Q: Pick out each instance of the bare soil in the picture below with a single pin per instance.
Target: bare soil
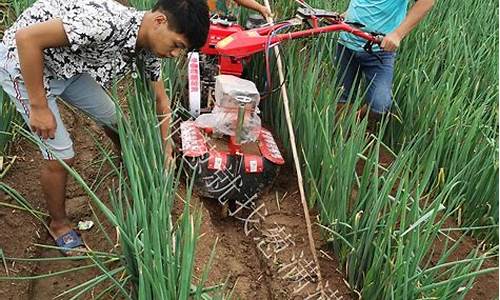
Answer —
(240, 259)
(258, 262)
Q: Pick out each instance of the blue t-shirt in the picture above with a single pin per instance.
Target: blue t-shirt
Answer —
(382, 16)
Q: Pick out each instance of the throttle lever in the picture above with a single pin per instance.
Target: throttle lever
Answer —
(368, 47)
(355, 24)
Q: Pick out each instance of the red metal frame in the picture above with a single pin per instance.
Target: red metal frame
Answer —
(216, 33)
(230, 66)
(232, 44)
(246, 43)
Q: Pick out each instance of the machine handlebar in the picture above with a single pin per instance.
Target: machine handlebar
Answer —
(246, 43)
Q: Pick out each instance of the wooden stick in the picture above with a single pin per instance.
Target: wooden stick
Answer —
(296, 160)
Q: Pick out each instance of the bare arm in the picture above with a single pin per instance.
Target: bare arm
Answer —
(415, 15)
(30, 42)
(254, 5)
(164, 114)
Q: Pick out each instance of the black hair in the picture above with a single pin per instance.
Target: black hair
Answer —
(187, 17)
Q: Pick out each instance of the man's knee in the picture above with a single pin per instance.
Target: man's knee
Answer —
(381, 104)
(379, 96)
(107, 117)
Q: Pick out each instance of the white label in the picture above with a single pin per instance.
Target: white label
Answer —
(194, 83)
(253, 166)
(218, 163)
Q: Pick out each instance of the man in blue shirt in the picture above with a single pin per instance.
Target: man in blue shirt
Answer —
(384, 16)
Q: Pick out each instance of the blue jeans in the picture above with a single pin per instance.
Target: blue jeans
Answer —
(354, 65)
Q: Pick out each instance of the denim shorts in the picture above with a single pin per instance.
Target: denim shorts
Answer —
(80, 91)
(377, 72)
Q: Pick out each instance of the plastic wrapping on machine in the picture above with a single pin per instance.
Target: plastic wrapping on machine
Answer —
(231, 94)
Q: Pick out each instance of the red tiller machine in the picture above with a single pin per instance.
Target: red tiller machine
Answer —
(238, 159)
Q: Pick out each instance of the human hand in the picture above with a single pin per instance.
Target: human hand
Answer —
(42, 122)
(170, 162)
(265, 12)
(169, 155)
(391, 41)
